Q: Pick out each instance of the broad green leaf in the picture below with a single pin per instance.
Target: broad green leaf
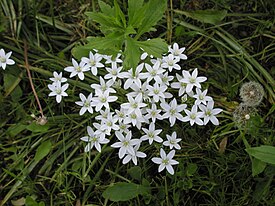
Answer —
(132, 54)
(123, 191)
(11, 85)
(43, 150)
(205, 16)
(130, 30)
(191, 169)
(16, 129)
(264, 153)
(135, 172)
(154, 10)
(135, 12)
(81, 51)
(34, 127)
(155, 47)
(258, 166)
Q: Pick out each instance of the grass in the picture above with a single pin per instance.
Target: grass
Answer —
(238, 49)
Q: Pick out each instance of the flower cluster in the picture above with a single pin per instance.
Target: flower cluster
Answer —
(5, 59)
(138, 99)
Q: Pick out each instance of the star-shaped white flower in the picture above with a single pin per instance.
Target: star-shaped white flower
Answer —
(93, 140)
(177, 52)
(93, 62)
(172, 111)
(157, 91)
(103, 99)
(132, 77)
(133, 105)
(126, 144)
(58, 78)
(201, 97)
(134, 120)
(58, 90)
(209, 113)
(109, 123)
(151, 134)
(77, 69)
(166, 79)
(170, 62)
(193, 116)
(103, 86)
(153, 73)
(165, 161)
(192, 80)
(134, 156)
(85, 103)
(153, 113)
(5, 59)
(179, 85)
(114, 72)
(172, 141)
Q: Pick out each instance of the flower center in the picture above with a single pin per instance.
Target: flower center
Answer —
(170, 62)
(103, 99)
(92, 62)
(208, 113)
(193, 116)
(153, 73)
(78, 69)
(133, 116)
(156, 91)
(165, 161)
(172, 112)
(114, 72)
(2, 59)
(86, 103)
(134, 105)
(109, 124)
(201, 97)
(164, 79)
(153, 113)
(151, 135)
(192, 80)
(58, 91)
(172, 142)
(94, 139)
(125, 143)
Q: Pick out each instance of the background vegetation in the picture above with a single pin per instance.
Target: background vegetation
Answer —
(231, 48)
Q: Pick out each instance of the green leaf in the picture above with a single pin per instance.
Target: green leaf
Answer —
(16, 129)
(106, 9)
(123, 191)
(43, 150)
(120, 18)
(205, 16)
(258, 166)
(155, 47)
(132, 54)
(135, 172)
(34, 127)
(154, 10)
(191, 169)
(264, 153)
(135, 13)
(11, 85)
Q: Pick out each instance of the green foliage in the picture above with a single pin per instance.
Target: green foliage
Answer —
(264, 153)
(123, 191)
(43, 150)
(123, 35)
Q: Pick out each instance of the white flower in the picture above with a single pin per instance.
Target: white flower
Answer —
(103, 114)
(165, 161)
(134, 156)
(132, 77)
(166, 79)
(77, 69)
(177, 52)
(172, 141)
(93, 62)
(103, 99)
(58, 78)
(85, 103)
(209, 113)
(153, 113)
(5, 59)
(109, 123)
(103, 86)
(193, 116)
(192, 80)
(153, 73)
(172, 111)
(93, 140)
(133, 105)
(58, 90)
(151, 134)
(114, 72)
(157, 91)
(100, 132)
(125, 144)
(124, 127)
(120, 114)
(110, 60)
(201, 97)
(134, 119)
(170, 62)
(139, 90)
(179, 85)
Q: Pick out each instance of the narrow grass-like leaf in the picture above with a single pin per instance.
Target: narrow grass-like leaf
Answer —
(205, 16)
(264, 153)
(123, 191)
